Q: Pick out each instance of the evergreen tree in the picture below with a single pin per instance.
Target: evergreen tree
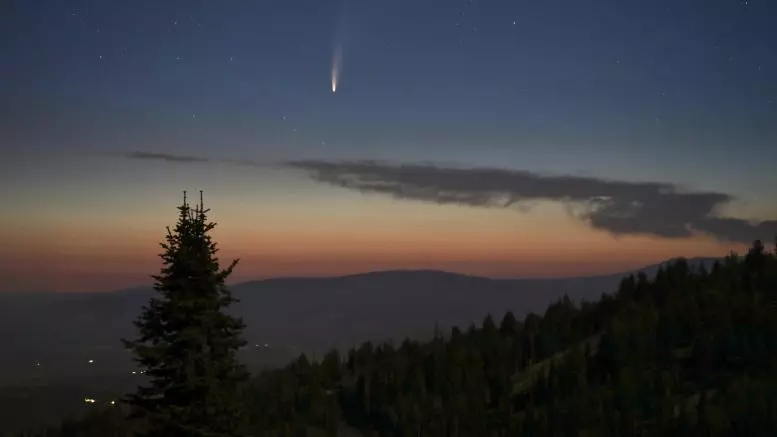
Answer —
(187, 344)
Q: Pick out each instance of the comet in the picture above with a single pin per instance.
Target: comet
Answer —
(337, 66)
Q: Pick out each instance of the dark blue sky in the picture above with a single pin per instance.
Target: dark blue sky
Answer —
(683, 92)
(690, 79)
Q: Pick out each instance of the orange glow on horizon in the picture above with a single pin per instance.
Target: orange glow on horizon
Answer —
(105, 271)
(93, 254)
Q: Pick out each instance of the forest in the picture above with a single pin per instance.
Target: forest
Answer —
(691, 351)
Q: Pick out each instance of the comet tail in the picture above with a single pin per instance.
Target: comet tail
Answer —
(337, 63)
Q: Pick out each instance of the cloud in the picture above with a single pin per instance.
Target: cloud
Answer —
(165, 157)
(618, 207)
(733, 229)
(188, 159)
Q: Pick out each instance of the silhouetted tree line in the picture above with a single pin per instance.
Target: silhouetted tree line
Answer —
(691, 351)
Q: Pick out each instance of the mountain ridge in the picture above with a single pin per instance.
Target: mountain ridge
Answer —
(648, 269)
(289, 315)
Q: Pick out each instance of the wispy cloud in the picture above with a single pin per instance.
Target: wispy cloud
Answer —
(189, 159)
(618, 207)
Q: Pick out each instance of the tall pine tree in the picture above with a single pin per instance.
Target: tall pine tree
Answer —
(187, 344)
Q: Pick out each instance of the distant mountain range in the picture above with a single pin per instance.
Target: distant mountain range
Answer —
(50, 336)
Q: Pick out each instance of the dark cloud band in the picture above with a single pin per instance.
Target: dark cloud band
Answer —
(618, 207)
(621, 208)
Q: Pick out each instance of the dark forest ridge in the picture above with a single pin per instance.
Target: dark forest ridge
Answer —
(687, 350)
(285, 316)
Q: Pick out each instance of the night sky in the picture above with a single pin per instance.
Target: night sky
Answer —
(507, 138)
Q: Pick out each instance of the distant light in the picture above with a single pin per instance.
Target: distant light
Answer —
(89, 400)
(134, 372)
(266, 345)
(91, 361)
(113, 402)
(37, 364)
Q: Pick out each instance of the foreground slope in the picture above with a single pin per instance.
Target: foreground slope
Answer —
(692, 351)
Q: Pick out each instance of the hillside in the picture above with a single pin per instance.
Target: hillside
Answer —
(63, 332)
(688, 351)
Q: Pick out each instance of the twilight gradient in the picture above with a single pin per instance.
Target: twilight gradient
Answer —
(666, 91)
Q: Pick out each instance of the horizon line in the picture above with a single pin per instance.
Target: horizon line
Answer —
(369, 272)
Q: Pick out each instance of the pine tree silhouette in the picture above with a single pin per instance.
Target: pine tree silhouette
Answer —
(187, 344)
